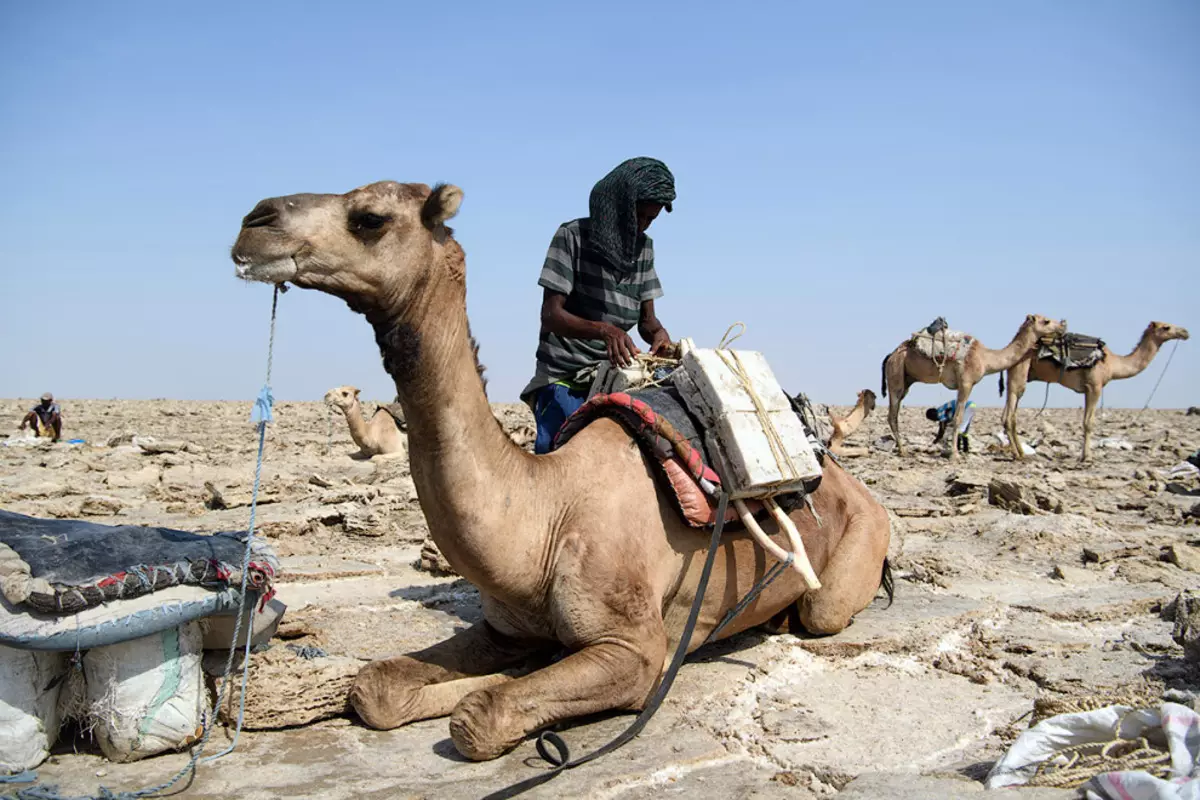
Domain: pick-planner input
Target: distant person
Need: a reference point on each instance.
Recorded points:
(599, 282)
(45, 416)
(944, 414)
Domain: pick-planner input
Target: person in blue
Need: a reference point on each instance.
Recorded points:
(943, 415)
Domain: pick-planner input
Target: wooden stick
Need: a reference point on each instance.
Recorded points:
(801, 563)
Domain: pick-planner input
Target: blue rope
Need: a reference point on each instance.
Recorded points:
(261, 414)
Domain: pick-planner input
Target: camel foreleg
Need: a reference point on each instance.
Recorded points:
(1091, 400)
(429, 683)
(616, 673)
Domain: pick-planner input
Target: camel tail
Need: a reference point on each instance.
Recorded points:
(1002, 384)
(888, 582)
(883, 375)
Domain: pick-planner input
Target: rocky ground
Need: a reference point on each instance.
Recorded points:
(1017, 581)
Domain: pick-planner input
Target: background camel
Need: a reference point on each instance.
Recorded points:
(1088, 381)
(380, 436)
(906, 365)
(844, 427)
(580, 548)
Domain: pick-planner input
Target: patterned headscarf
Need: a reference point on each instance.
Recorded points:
(613, 207)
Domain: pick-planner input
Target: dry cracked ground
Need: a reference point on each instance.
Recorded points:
(1017, 581)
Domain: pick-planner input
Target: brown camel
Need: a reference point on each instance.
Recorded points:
(1088, 381)
(844, 427)
(579, 548)
(381, 436)
(906, 365)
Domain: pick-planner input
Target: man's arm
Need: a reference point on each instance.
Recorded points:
(556, 319)
(651, 330)
(941, 431)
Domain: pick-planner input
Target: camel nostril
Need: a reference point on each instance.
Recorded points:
(265, 213)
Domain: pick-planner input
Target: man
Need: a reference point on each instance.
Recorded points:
(598, 281)
(46, 414)
(944, 413)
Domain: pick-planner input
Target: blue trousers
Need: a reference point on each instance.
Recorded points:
(551, 406)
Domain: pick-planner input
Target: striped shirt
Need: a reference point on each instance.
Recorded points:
(595, 291)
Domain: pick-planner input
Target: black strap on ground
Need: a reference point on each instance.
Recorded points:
(561, 757)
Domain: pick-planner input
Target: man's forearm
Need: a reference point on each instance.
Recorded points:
(649, 328)
(564, 323)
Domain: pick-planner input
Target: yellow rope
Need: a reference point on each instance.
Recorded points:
(1086, 761)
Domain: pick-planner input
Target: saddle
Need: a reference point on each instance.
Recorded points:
(1072, 350)
(941, 343)
(674, 442)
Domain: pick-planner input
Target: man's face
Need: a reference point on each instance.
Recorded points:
(647, 212)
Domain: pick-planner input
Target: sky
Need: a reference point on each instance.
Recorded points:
(846, 172)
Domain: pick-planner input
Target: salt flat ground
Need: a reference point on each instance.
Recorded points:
(994, 608)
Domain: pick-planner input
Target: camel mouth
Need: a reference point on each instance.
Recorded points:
(276, 270)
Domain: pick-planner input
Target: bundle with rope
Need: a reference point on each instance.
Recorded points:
(261, 416)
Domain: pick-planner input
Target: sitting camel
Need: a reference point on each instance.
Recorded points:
(383, 435)
(582, 547)
(844, 427)
(1088, 381)
(906, 365)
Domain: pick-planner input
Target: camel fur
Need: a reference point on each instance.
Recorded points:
(380, 436)
(579, 549)
(1088, 381)
(906, 365)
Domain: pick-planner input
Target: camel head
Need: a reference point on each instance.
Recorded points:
(371, 246)
(343, 397)
(1165, 332)
(867, 398)
(1043, 326)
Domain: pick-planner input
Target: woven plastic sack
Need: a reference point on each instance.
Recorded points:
(29, 719)
(146, 696)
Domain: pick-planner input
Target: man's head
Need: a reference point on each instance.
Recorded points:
(647, 212)
(931, 414)
(623, 204)
(47, 399)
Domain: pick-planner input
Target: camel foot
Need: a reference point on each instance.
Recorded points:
(482, 728)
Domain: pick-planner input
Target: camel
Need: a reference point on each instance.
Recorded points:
(905, 366)
(1088, 381)
(844, 427)
(581, 549)
(381, 436)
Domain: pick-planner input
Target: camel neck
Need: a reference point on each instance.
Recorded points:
(1137, 360)
(466, 470)
(1011, 353)
(358, 426)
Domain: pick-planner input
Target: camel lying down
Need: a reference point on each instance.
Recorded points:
(580, 548)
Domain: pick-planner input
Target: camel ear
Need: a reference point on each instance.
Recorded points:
(356, 392)
(442, 204)
(1029, 317)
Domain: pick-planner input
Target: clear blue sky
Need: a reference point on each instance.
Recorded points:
(846, 172)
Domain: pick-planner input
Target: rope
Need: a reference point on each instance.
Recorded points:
(726, 340)
(1161, 375)
(1085, 761)
(262, 415)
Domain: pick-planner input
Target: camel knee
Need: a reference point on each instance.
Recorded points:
(486, 724)
(821, 612)
(385, 697)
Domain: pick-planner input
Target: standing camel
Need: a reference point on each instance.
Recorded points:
(1088, 381)
(581, 548)
(906, 365)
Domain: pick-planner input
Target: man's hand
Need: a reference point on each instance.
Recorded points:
(621, 348)
(662, 344)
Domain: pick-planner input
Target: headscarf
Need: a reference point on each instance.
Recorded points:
(613, 207)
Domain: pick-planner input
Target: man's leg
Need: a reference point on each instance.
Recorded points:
(964, 429)
(552, 406)
(56, 423)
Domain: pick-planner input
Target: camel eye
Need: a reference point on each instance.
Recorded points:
(366, 221)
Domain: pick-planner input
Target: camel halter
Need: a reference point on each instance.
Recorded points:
(1161, 375)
